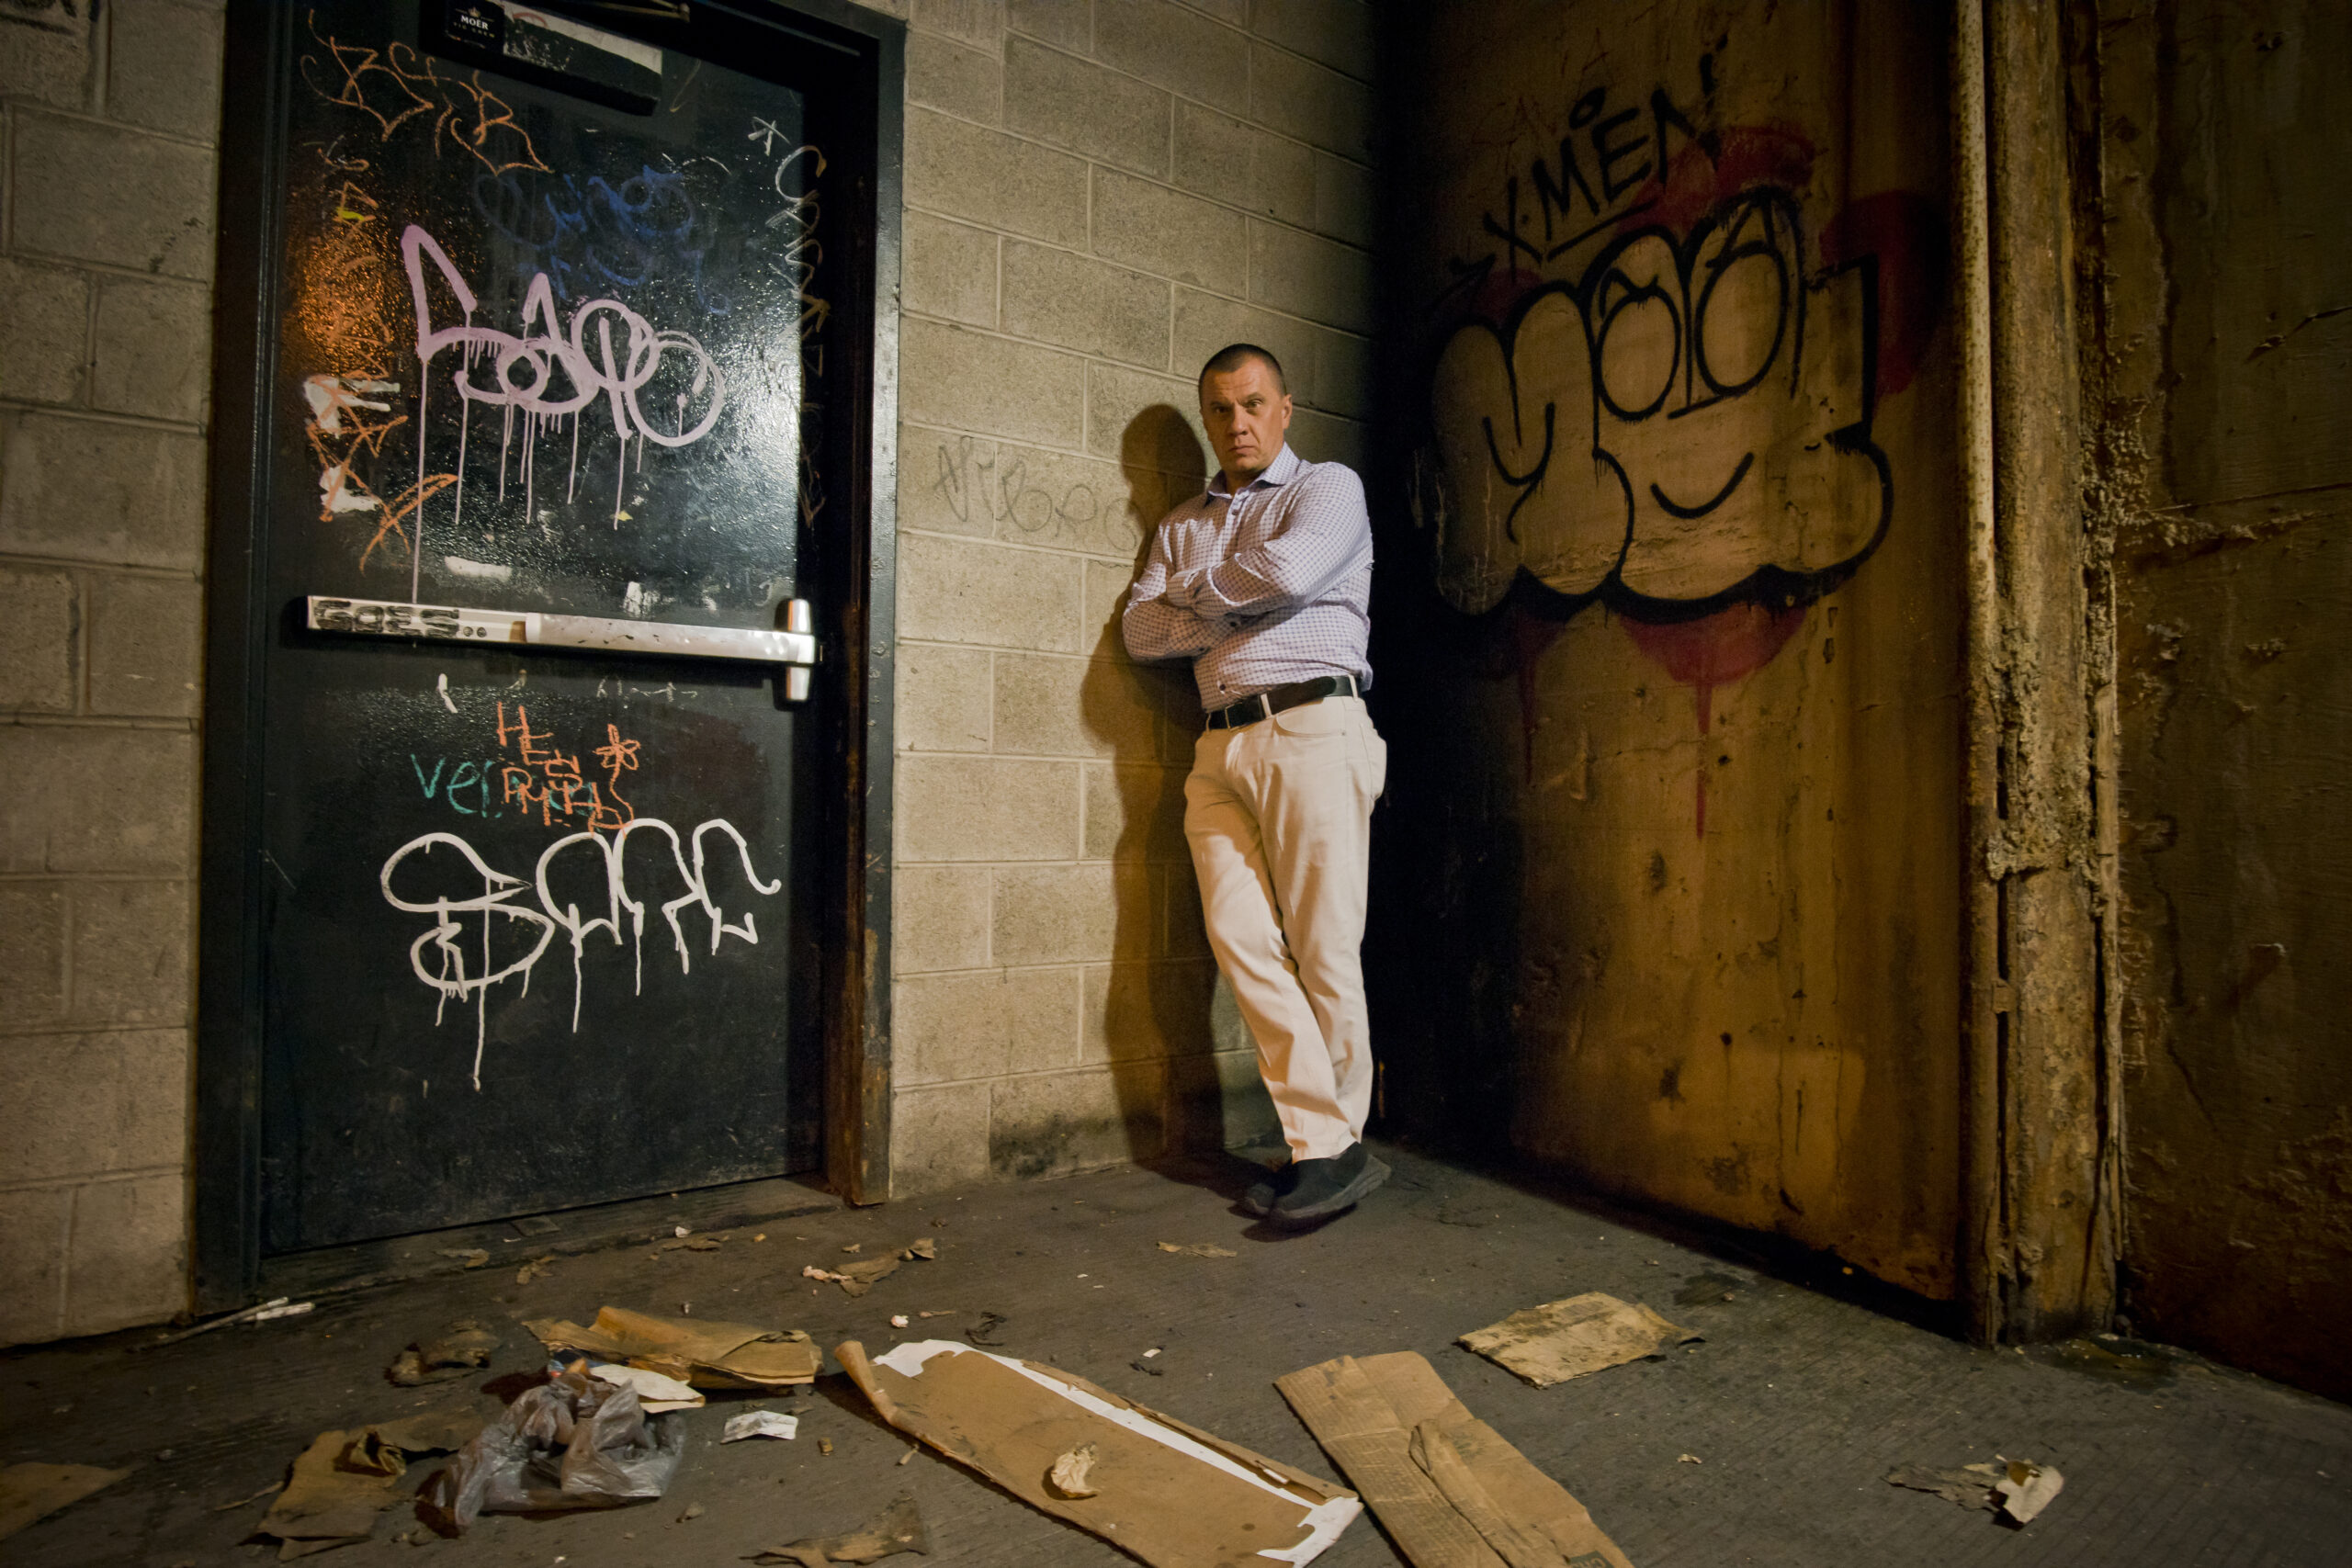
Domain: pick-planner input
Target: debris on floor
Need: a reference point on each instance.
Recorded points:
(2017, 1489)
(1448, 1489)
(537, 1268)
(263, 1312)
(573, 1442)
(759, 1424)
(659, 1392)
(1197, 1249)
(1164, 1491)
(856, 1279)
(29, 1492)
(460, 1349)
(897, 1528)
(1068, 1478)
(344, 1479)
(704, 1352)
(985, 1331)
(471, 1256)
(1564, 1340)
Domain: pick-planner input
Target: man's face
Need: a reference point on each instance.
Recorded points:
(1247, 413)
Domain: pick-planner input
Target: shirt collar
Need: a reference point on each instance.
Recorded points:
(1281, 472)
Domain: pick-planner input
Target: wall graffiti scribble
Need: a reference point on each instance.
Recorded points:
(442, 962)
(395, 86)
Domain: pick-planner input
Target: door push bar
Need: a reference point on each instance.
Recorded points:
(795, 647)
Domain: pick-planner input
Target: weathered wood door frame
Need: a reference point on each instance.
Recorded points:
(858, 631)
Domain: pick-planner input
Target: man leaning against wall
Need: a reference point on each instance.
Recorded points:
(1264, 583)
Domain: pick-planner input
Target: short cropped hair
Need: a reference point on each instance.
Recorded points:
(1234, 356)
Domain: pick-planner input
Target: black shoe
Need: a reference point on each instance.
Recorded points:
(1320, 1188)
(1264, 1193)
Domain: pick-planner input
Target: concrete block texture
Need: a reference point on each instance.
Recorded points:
(105, 801)
(945, 75)
(163, 66)
(1065, 24)
(989, 595)
(952, 483)
(146, 645)
(1144, 420)
(45, 54)
(1145, 225)
(1220, 1102)
(1311, 103)
(976, 22)
(89, 490)
(1322, 438)
(1048, 706)
(152, 349)
(939, 918)
(109, 194)
(1140, 1010)
(1183, 930)
(1343, 374)
(40, 633)
(128, 1260)
(1310, 277)
(1175, 47)
(88, 1105)
(44, 329)
(1056, 1123)
(1072, 914)
(1052, 296)
(33, 921)
(35, 1224)
(1345, 203)
(944, 695)
(1338, 33)
(985, 1024)
(1106, 591)
(1207, 323)
(970, 808)
(971, 172)
(130, 962)
(1230, 161)
(993, 385)
(1134, 813)
(949, 269)
(939, 1138)
(1075, 104)
(1236, 11)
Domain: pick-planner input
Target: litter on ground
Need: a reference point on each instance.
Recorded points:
(1564, 1340)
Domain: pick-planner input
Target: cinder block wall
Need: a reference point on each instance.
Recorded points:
(107, 119)
(1099, 196)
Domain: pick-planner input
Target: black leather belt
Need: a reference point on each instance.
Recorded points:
(1265, 704)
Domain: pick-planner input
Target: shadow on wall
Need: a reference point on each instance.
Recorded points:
(1151, 1012)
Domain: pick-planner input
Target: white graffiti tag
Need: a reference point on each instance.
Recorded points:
(445, 957)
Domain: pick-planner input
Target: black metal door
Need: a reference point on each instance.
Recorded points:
(535, 928)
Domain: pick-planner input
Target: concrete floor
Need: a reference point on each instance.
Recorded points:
(1796, 1405)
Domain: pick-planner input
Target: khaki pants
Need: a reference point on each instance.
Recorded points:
(1278, 817)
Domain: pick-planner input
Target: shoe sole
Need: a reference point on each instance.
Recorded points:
(1348, 1197)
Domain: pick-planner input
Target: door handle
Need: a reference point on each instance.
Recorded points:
(795, 647)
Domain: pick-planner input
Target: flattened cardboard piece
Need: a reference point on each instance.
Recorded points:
(707, 1355)
(1564, 1340)
(1370, 1416)
(1166, 1492)
(29, 1492)
(346, 1478)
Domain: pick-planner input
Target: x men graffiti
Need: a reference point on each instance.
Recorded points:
(1654, 386)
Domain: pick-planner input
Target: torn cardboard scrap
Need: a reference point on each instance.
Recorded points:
(1162, 1491)
(1197, 1249)
(897, 1528)
(761, 1424)
(2015, 1488)
(1565, 1339)
(704, 1352)
(461, 1347)
(29, 1492)
(1445, 1485)
(856, 1279)
(659, 1392)
(346, 1478)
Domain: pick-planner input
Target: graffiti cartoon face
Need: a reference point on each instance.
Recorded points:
(1688, 420)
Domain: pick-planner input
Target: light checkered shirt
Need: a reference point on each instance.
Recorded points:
(1261, 588)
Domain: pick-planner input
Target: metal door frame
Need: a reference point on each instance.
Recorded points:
(852, 885)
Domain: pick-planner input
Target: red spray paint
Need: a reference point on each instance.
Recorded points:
(1704, 653)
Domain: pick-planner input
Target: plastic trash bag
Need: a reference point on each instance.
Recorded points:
(573, 1442)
